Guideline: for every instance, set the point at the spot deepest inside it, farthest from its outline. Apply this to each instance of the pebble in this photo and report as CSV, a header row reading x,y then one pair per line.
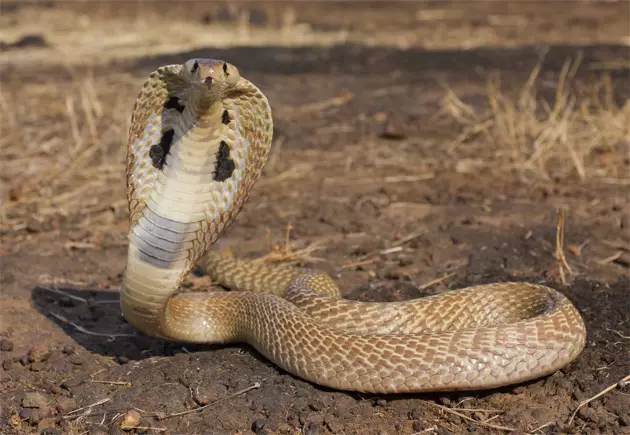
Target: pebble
x,y
68,349
37,367
316,405
30,414
131,420
76,359
417,426
71,383
379,402
258,425
38,353
122,359
6,345
8,364
34,400
203,395
588,414
414,414
66,404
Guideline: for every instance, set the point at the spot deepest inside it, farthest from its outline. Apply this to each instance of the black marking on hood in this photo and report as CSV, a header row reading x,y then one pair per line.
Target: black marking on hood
x,y
158,152
225,165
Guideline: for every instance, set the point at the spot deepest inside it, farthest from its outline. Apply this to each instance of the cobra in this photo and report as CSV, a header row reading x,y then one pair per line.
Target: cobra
x,y
199,138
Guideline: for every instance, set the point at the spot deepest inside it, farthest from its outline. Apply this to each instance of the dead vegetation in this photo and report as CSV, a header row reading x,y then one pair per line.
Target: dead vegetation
x,y
580,131
63,150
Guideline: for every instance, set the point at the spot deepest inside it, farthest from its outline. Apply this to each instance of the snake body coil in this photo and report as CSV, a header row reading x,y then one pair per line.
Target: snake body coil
x,y
199,138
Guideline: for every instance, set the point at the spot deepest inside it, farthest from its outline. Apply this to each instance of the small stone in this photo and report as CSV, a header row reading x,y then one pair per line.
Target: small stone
x,y
66,404
34,225
414,414
37,367
76,359
8,364
6,345
71,383
47,426
34,400
316,405
445,401
380,402
122,359
417,426
30,414
588,414
258,425
393,129
203,395
131,420
472,427
38,353
68,349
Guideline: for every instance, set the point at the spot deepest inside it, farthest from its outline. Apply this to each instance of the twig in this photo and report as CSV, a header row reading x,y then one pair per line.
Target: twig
x,y
620,384
361,263
408,238
627,337
125,383
88,332
465,417
54,289
436,281
238,393
100,402
477,410
610,259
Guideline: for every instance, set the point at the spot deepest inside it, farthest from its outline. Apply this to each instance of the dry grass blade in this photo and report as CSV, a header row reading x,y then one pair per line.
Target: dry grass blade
x,y
560,255
465,417
237,393
622,383
581,132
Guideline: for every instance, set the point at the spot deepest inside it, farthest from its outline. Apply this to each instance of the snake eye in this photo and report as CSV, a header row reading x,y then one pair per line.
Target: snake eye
x,y
195,67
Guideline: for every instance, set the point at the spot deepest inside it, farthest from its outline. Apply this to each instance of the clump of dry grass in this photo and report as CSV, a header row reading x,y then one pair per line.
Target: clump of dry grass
x,y
63,150
583,132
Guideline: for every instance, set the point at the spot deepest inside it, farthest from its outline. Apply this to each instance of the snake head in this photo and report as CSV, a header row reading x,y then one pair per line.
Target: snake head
x,y
212,73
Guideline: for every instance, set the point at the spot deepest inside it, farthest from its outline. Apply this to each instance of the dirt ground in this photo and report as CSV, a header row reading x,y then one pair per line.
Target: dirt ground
x,y
412,155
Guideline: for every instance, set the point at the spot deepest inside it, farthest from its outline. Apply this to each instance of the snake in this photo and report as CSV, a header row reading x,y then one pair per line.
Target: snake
x,y
199,138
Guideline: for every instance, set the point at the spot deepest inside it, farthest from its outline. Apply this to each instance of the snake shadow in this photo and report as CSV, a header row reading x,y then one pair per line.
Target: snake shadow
x,y
93,319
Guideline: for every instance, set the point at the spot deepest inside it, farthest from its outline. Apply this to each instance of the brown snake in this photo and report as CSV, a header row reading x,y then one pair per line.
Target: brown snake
x,y
199,137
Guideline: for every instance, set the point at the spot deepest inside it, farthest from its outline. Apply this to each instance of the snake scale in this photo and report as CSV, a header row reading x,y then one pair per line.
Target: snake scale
x,y
199,138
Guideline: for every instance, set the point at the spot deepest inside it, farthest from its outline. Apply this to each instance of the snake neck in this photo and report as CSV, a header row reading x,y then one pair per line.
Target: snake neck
x,y
185,206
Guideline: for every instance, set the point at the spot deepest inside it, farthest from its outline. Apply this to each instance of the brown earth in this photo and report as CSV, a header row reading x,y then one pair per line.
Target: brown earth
x,y
369,169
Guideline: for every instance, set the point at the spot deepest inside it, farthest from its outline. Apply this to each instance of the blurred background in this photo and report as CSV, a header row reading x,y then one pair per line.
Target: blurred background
x,y
418,147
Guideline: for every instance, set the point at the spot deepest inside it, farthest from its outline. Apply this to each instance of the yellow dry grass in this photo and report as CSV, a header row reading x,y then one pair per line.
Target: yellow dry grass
x,y
583,132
